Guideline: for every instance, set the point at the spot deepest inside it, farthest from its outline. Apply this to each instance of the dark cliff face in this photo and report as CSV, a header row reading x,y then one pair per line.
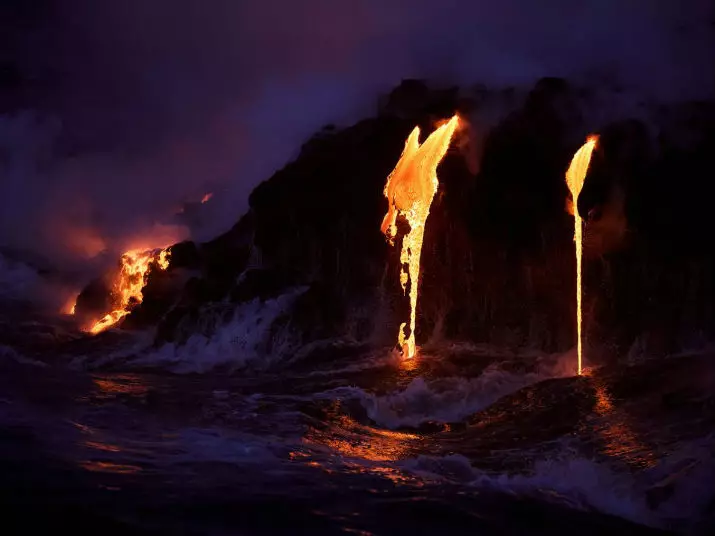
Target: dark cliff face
x,y
498,259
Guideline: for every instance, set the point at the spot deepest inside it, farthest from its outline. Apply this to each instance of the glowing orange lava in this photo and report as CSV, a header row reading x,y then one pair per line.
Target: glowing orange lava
x,y
129,283
69,306
410,189
575,177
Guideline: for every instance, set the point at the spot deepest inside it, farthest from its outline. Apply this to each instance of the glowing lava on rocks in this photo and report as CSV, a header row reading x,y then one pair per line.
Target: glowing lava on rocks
x,y
129,282
409,190
575,177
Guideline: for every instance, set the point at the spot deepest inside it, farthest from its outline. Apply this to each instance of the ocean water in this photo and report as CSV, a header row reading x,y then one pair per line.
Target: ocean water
x,y
239,431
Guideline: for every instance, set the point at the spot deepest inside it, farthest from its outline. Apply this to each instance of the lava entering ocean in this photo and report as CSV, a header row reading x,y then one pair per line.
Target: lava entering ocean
x,y
575,177
409,190
129,282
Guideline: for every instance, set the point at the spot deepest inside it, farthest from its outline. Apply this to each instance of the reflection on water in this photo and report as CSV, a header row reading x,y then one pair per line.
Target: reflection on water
x,y
109,467
409,365
617,433
360,448
106,389
82,427
105,447
350,438
96,445
123,384
376,445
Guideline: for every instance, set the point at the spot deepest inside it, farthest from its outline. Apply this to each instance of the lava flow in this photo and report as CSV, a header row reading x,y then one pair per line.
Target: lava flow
x,y
69,307
410,189
129,283
575,176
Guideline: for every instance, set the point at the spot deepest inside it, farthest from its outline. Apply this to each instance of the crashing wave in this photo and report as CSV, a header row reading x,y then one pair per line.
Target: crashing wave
x,y
250,336
444,399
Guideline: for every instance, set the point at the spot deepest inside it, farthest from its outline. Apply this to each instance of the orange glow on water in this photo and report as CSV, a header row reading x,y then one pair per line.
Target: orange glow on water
x,y
110,467
355,440
615,427
372,444
409,190
575,177
120,384
104,447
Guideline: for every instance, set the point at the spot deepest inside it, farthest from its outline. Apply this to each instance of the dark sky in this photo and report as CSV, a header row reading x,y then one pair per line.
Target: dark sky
x,y
114,113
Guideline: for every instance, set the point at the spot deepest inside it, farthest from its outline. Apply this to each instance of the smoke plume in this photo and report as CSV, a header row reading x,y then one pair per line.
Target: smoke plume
x,y
116,115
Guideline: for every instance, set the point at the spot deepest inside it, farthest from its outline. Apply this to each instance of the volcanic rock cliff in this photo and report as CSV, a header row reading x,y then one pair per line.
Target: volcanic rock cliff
x,y
498,259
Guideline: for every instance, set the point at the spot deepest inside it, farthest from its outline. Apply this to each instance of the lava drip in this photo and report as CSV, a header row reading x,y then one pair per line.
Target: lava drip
x,y
575,177
409,190
128,285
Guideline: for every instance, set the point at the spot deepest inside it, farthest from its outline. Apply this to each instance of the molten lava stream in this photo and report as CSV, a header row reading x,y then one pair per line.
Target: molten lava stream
x,y
409,190
129,283
575,177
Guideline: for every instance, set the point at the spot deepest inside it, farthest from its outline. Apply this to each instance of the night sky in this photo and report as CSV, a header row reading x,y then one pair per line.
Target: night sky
x,y
115,113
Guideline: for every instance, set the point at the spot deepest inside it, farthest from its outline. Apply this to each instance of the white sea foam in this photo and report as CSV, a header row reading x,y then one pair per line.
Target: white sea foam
x,y
450,399
7,352
575,482
248,337
445,399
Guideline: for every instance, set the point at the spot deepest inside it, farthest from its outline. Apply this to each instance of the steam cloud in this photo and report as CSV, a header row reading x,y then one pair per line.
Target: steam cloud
x,y
120,112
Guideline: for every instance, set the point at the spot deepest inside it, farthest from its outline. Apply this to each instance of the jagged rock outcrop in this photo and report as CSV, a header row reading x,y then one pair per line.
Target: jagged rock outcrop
x,y
498,259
